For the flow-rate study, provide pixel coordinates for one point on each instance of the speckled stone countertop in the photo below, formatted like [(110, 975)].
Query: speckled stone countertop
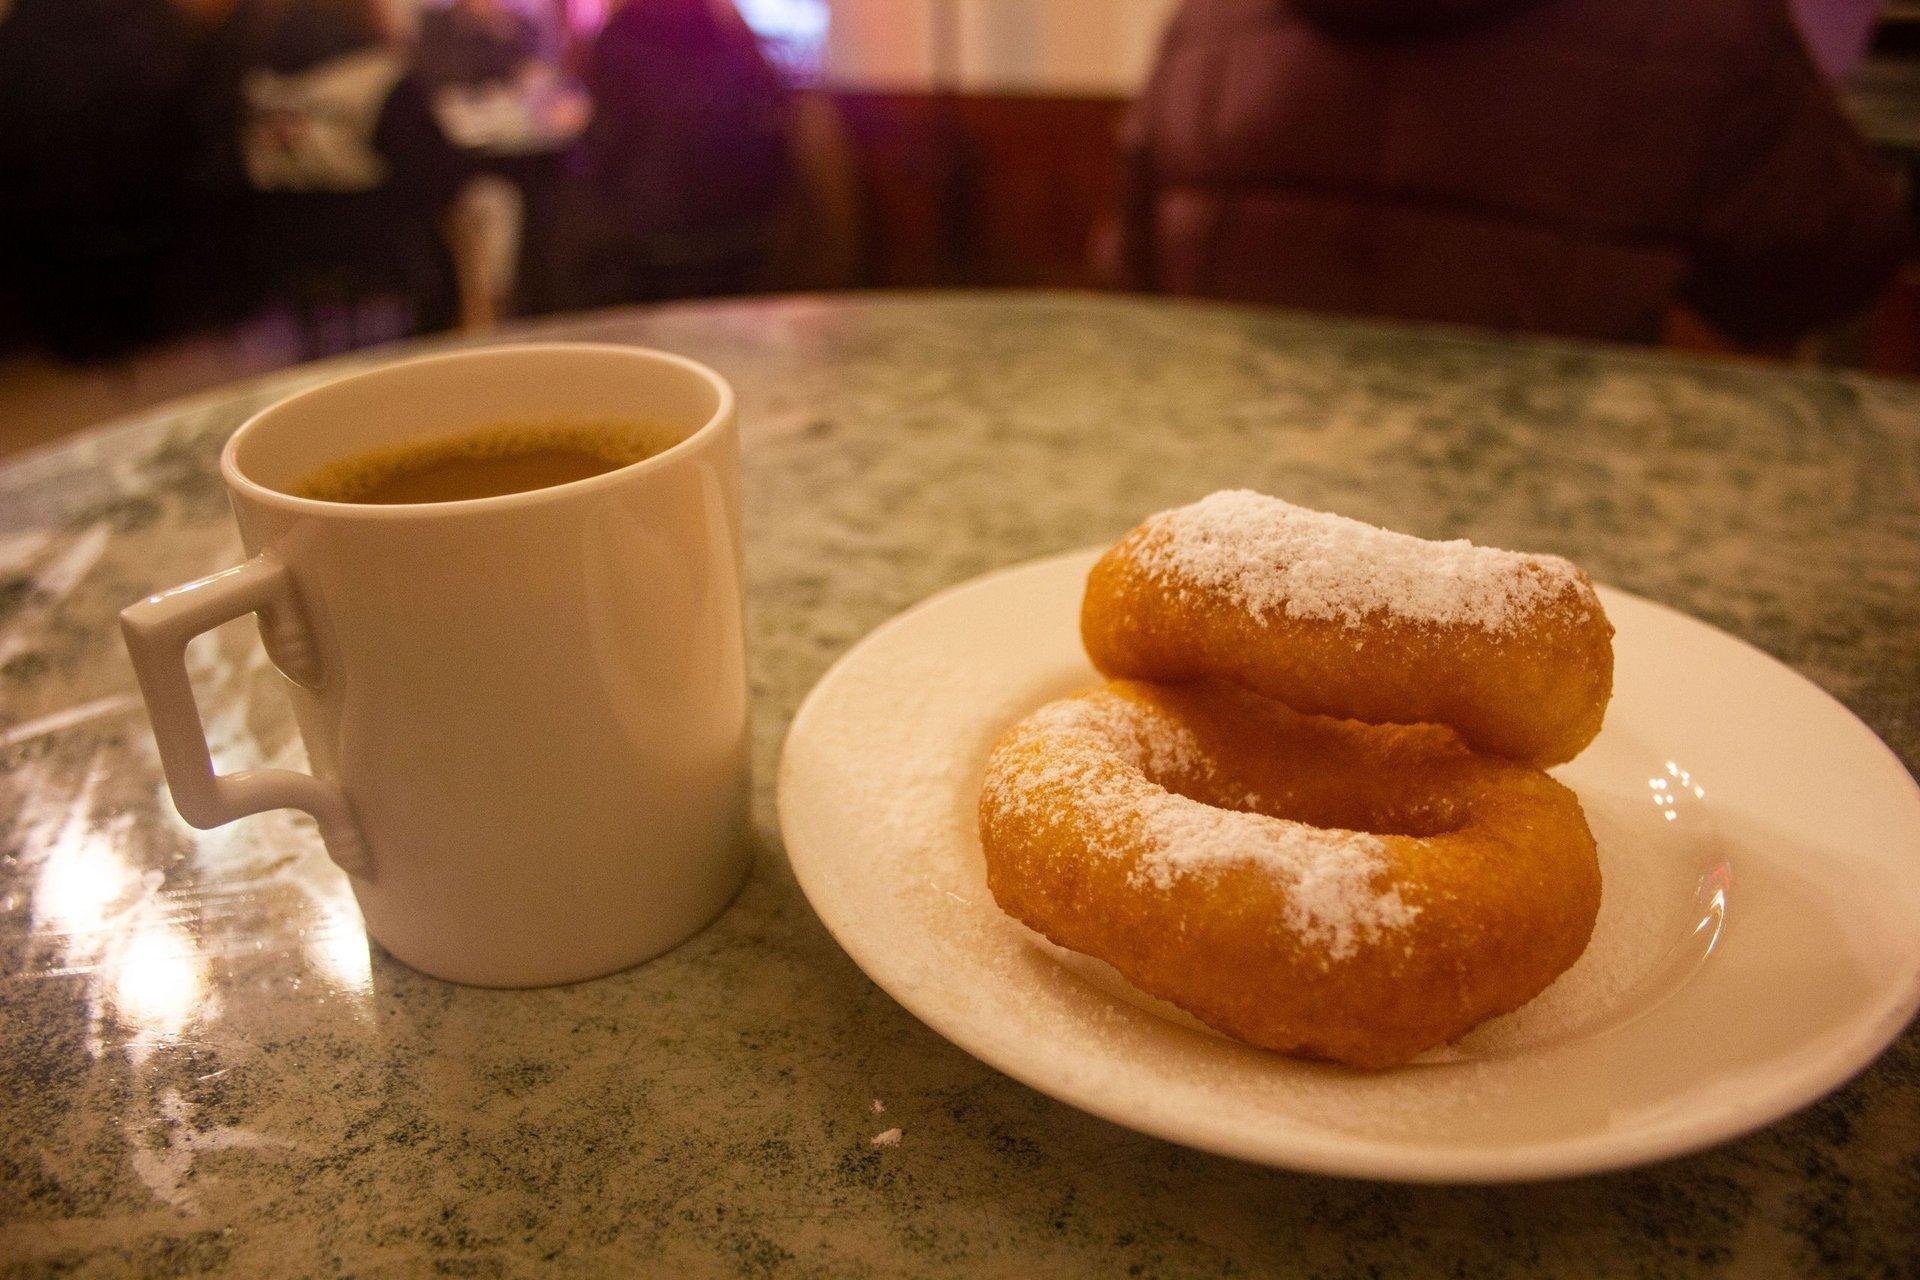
[(204, 1070)]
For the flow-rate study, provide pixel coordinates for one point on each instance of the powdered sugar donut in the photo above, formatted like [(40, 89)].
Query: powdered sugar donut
[(1355, 892), (1335, 617)]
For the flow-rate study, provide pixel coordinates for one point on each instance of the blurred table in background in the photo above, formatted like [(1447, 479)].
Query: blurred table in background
[(205, 1069), (505, 248), (539, 115)]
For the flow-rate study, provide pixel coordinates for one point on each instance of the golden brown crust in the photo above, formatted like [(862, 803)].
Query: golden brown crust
[(1480, 889), (1533, 690)]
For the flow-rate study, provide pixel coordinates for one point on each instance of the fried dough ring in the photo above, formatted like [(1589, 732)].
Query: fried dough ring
[(1334, 617), (1211, 845)]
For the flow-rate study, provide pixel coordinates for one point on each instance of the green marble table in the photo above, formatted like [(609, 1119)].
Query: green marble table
[(203, 1068)]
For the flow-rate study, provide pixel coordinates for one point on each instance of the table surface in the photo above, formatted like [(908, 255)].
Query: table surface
[(203, 1069)]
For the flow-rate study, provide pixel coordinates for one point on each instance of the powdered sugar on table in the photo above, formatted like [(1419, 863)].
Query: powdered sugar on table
[(1269, 556)]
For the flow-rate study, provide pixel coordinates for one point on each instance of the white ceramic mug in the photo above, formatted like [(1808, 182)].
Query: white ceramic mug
[(526, 715)]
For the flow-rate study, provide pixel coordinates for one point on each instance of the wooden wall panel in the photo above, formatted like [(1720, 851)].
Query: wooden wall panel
[(980, 190)]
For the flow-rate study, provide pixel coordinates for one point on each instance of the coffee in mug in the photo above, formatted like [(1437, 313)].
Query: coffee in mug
[(509, 457), (525, 713)]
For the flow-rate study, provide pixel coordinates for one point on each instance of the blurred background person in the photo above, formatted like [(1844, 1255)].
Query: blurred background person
[(1564, 166), (95, 100), (349, 169), (1571, 166), (474, 42), (1837, 32), (507, 106), (687, 159)]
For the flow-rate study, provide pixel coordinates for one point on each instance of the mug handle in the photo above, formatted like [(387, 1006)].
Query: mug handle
[(157, 631)]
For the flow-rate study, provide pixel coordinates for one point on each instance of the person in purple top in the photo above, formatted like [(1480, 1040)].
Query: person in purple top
[(687, 156)]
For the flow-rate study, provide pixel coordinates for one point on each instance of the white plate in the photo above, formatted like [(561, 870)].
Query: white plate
[(1758, 940)]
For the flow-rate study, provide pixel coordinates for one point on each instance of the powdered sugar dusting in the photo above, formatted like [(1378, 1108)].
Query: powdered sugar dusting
[(1332, 899), (1102, 755), (1272, 557)]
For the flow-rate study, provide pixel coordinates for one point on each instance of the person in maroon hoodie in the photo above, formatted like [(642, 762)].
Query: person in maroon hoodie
[(1564, 166)]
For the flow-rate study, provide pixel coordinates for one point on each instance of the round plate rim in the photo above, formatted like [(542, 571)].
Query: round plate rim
[(1353, 1156)]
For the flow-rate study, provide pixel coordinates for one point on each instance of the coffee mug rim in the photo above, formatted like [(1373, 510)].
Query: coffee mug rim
[(239, 481)]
